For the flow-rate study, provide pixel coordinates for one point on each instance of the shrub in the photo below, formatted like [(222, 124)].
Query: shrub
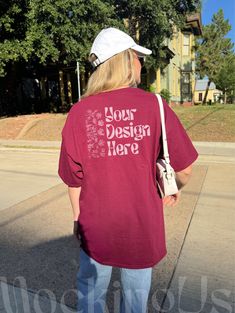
[(165, 93)]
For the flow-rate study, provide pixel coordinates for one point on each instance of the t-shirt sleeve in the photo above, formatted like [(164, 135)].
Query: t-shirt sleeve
[(181, 149), (70, 160)]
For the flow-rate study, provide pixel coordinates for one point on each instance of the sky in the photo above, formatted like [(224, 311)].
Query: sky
[(209, 7)]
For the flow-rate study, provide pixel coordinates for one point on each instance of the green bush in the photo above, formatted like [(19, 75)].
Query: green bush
[(152, 88), (165, 93)]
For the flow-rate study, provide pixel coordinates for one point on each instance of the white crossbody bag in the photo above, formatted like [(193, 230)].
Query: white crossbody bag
[(165, 173)]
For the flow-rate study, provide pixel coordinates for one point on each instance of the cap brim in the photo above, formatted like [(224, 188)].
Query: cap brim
[(141, 50)]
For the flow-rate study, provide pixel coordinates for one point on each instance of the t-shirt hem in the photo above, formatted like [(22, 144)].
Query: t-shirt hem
[(139, 266)]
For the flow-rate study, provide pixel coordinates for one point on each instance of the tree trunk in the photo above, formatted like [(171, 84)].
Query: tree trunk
[(193, 94), (61, 82), (83, 83), (11, 87), (43, 88), (207, 89), (225, 98), (43, 93), (69, 89)]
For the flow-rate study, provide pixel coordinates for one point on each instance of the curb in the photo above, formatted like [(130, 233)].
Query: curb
[(10, 143), (209, 147)]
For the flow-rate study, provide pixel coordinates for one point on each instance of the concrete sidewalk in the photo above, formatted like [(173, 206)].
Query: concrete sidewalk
[(213, 149), (204, 147), (198, 272), (204, 277)]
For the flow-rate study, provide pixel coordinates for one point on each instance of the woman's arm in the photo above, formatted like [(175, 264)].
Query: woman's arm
[(182, 179), (74, 194)]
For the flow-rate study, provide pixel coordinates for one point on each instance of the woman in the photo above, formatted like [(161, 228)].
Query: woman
[(110, 143)]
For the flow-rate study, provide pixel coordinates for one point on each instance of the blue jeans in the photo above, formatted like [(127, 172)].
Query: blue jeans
[(93, 280)]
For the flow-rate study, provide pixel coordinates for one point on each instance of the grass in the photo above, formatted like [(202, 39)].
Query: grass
[(202, 123), (208, 122)]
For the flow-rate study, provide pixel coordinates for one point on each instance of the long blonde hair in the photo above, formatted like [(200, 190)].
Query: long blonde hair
[(117, 71)]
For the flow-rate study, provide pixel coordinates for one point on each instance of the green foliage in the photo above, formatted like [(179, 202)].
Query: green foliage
[(152, 89), (12, 30), (155, 21), (214, 50), (53, 31), (61, 31), (165, 93), (225, 78)]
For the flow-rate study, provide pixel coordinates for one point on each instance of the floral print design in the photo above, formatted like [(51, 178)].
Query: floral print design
[(95, 132)]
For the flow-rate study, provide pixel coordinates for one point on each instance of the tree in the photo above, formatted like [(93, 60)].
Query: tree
[(48, 32), (154, 21), (12, 31), (225, 78), (62, 30), (213, 48), (59, 32), (52, 31)]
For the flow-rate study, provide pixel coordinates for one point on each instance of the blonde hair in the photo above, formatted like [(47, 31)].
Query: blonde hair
[(117, 71)]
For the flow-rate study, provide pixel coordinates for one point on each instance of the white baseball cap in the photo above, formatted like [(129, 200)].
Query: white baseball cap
[(111, 41)]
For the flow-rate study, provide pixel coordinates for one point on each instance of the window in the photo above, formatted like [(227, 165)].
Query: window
[(200, 96), (186, 83), (186, 44)]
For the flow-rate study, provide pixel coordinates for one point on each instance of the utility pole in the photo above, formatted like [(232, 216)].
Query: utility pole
[(78, 78)]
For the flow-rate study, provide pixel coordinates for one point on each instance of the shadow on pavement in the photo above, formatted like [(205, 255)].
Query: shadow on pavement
[(36, 244), (49, 266)]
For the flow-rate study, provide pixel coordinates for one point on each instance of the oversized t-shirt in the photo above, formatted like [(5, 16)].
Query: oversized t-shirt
[(110, 144)]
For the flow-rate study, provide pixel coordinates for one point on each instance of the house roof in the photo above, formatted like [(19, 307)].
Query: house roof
[(196, 23), (201, 84)]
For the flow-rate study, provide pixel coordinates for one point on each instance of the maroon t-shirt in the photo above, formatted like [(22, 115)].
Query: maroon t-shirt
[(110, 144)]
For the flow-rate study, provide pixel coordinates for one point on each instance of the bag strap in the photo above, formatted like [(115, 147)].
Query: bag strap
[(164, 138)]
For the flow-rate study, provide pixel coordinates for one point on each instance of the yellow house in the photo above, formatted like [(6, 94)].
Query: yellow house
[(214, 95), (179, 75)]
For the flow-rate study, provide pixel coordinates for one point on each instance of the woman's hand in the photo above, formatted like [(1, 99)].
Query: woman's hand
[(172, 200), (76, 230)]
